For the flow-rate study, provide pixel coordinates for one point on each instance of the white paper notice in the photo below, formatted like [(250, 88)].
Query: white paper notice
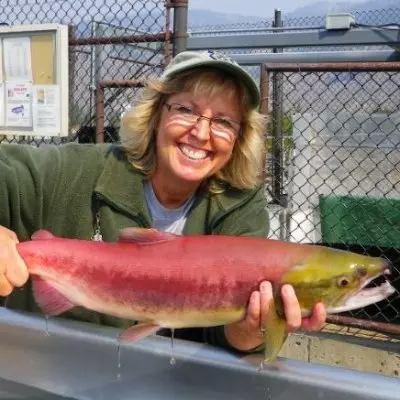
[(46, 109), (17, 59), (18, 104)]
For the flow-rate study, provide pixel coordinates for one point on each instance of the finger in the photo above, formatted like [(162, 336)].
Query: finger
[(17, 275), (291, 307), (266, 298), (253, 311), (12, 265), (5, 286), (317, 319), (9, 233)]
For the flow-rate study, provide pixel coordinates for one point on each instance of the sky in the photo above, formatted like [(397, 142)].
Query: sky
[(254, 7)]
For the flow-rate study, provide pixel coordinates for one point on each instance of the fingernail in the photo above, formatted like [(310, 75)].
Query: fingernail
[(265, 286), (288, 290)]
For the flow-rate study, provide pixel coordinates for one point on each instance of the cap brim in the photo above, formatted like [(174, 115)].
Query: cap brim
[(232, 69)]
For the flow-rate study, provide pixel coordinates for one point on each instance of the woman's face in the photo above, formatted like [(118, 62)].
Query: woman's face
[(190, 151)]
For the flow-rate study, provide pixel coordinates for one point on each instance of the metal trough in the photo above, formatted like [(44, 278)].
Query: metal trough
[(69, 359)]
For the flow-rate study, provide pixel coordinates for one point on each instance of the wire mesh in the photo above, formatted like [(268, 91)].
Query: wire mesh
[(333, 174), (332, 134), (368, 17), (90, 63)]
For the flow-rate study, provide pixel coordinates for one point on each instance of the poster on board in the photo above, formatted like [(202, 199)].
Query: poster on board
[(17, 59), (18, 104), (34, 81), (46, 109)]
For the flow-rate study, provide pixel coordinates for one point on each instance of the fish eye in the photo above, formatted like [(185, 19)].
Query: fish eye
[(343, 281)]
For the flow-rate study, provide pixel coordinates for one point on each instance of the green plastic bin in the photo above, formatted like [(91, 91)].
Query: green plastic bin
[(360, 220)]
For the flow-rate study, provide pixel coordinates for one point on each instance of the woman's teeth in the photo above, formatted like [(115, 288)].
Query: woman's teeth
[(193, 154)]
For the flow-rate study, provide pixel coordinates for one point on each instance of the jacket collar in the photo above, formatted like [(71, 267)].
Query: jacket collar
[(119, 173), (121, 185)]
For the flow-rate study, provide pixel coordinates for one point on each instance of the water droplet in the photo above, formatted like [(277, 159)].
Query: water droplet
[(47, 333), (172, 360), (119, 360)]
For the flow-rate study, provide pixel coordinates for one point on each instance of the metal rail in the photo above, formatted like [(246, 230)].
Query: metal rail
[(100, 101), (321, 37)]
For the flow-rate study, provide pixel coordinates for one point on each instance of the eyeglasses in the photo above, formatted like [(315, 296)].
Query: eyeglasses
[(218, 126)]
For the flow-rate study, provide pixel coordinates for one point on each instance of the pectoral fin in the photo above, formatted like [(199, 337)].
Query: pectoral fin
[(50, 301), (274, 334), (139, 331)]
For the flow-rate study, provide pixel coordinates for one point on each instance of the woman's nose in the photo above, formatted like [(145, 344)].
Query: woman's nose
[(202, 128)]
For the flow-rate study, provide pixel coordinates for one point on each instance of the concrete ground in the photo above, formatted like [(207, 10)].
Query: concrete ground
[(348, 348)]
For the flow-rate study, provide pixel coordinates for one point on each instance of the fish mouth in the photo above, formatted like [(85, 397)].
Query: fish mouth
[(365, 296)]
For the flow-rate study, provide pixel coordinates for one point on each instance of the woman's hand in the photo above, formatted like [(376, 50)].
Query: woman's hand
[(13, 271), (246, 334)]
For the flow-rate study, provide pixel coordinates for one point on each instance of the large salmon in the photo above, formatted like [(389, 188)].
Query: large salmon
[(168, 281)]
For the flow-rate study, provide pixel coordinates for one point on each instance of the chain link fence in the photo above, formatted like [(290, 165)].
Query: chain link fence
[(133, 42), (366, 17), (333, 174), (333, 167), (333, 171)]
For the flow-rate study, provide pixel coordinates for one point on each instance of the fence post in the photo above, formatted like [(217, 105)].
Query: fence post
[(71, 67), (99, 96), (97, 55), (277, 141), (180, 25)]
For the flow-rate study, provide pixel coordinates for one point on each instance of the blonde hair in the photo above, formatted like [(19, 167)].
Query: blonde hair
[(245, 168)]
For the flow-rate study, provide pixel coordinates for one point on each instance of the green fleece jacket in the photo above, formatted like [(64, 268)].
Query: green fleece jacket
[(63, 188)]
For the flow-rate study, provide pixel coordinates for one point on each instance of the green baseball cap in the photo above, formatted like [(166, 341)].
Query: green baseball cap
[(188, 60)]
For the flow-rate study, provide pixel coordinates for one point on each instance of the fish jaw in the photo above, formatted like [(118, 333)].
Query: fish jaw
[(338, 279), (364, 297)]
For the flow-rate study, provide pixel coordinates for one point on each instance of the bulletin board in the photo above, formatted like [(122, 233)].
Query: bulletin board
[(34, 80)]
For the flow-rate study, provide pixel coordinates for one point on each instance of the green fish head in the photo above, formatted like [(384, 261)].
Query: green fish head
[(337, 278)]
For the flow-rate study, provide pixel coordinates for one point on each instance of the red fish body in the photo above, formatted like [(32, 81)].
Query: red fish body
[(186, 273), (183, 281)]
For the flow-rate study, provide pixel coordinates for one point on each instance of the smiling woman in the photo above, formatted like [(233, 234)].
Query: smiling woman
[(190, 162), (215, 105)]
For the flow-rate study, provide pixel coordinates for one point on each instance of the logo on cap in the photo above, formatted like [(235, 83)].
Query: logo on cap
[(218, 56)]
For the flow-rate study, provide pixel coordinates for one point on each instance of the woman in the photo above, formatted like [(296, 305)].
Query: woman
[(190, 162)]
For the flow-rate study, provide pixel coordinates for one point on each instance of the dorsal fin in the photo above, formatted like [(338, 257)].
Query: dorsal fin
[(42, 234), (144, 236)]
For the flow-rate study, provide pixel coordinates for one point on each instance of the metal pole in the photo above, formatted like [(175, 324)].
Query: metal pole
[(98, 92), (264, 109), (317, 57), (106, 40), (100, 103), (277, 142), (180, 25), (381, 327), (276, 125), (99, 96)]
